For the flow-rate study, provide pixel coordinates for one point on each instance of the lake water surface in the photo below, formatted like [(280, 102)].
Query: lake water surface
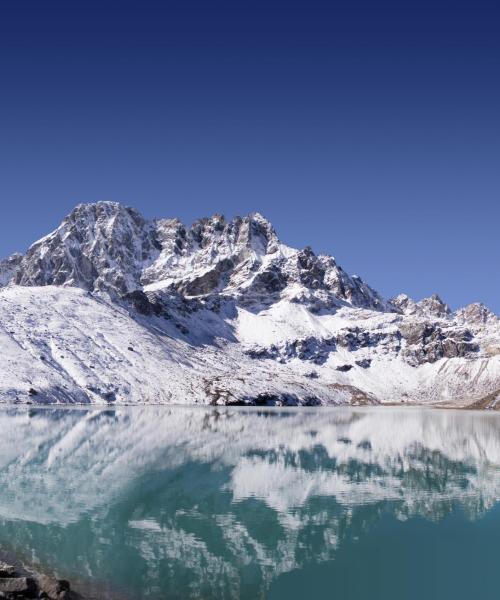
[(233, 503)]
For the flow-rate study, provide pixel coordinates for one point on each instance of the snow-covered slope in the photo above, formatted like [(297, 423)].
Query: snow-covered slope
[(111, 307)]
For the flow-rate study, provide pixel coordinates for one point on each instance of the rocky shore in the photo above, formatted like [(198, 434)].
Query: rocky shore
[(16, 582)]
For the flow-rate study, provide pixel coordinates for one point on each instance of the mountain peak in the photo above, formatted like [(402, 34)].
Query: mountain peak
[(98, 246), (102, 211), (105, 246), (476, 313), (431, 306), (259, 218)]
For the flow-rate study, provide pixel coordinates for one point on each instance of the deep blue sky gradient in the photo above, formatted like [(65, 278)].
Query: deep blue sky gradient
[(367, 129)]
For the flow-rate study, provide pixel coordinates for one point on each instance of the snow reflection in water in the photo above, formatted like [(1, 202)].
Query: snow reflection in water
[(175, 502)]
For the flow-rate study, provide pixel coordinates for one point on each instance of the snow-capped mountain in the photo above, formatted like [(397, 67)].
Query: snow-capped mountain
[(111, 307)]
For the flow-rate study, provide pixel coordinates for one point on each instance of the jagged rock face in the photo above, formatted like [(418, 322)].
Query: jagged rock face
[(9, 267), (107, 247), (427, 342), (322, 272), (318, 350), (476, 314), (427, 307), (404, 304), (355, 338), (189, 254), (308, 349), (99, 246)]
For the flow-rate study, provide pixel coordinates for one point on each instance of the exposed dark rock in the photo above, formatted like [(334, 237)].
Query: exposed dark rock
[(271, 399), (208, 282), (262, 352), (354, 338), (203, 229), (182, 328), (312, 349), (270, 281), (235, 402), (428, 342), (109, 396), (268, 400), (312, 401), (18, 586), (318, 350), (312, 375), (364, 363), (365, 445), (144, 304), (311, 272), (344, 368)]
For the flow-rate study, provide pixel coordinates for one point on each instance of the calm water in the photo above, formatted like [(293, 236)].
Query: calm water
[(179, 503)]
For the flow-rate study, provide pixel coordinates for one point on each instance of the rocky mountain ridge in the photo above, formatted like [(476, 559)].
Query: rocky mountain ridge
[(111, 248), (249, 320)]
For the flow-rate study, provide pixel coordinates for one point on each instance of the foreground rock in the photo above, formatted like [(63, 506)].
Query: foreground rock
[(17, 584)]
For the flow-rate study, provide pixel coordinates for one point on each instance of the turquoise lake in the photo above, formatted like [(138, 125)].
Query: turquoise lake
[(234, 503)]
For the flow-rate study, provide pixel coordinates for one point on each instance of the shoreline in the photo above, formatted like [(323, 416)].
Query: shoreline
[(483, 405), (22, 581)]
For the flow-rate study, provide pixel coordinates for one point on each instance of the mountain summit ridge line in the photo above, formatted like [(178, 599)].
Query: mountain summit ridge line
[(223, 312)]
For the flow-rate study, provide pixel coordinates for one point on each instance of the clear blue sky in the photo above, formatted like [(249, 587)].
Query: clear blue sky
[(369, 130)]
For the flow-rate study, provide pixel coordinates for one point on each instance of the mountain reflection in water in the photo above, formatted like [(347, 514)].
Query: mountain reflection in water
[(175, 502)]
